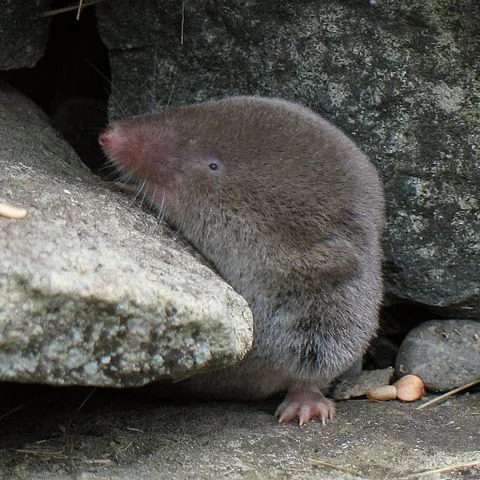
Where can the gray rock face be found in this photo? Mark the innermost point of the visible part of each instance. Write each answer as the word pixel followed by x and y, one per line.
pixel 401 80
pixel 444 353
pixel 93 290
pixel 23 33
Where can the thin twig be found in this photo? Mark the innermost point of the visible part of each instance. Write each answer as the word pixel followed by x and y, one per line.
pixel 322 463
pixel 450 468
pixel 44 453
pixel 80 8
pixel 99 461
pixel 56 11
pixel 85 400
pixel 13 410
pixel 68 440
pixel 183 23
pixel 448 394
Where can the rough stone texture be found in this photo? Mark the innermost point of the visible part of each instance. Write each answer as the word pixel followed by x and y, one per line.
pixel 358 386
pixel 92 289
pixel 402 80
pixel 116 438
pixel 444 353
pixel 23 33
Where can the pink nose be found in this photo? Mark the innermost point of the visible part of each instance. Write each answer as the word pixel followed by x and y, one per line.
pixel 104 138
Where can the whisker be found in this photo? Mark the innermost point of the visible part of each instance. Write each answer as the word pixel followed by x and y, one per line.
pixel 107 165
pixel 139 190
pixel 112 86
pixel 152 199
pixel 144 193
pixel 162 207
pixel 124 177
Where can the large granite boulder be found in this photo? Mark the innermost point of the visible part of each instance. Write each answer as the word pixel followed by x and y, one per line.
pixel 94 291
pixel 402 80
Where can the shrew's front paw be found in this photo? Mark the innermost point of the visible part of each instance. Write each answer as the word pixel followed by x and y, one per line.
pixel 306 405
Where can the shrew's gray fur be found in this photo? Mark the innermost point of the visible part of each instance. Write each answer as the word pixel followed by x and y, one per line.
pixel 289 211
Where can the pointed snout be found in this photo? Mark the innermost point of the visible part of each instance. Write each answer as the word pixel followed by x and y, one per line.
pixel 105 137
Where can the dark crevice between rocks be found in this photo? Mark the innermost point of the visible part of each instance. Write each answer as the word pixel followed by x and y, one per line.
pixel 71 82
pixel 397 318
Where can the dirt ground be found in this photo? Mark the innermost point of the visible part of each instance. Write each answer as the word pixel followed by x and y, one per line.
pixel 87 434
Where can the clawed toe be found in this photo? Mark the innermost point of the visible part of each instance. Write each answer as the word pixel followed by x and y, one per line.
pixel 306 405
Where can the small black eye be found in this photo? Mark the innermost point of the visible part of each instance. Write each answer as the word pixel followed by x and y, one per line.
pixel 213 166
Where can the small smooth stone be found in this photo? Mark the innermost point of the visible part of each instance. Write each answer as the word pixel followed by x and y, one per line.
pixel 443 353
pixel 358 386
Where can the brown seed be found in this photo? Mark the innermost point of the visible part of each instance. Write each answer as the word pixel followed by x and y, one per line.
pixel 410 388
pixel 9 211
pixel 384 392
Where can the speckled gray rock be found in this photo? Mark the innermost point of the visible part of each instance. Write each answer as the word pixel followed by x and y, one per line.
pixel 92 289
pixel 359 385
pixel 23 33
pixel 401 79
pixel 444 353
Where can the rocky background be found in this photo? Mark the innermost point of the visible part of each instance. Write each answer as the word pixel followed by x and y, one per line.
pixel 402 81
pixel 87 296
pixel 95 291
